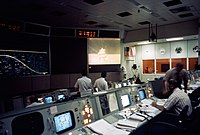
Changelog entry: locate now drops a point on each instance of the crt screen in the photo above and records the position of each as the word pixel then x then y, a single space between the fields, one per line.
pixel 142 94
pixel 61 97
pixel 125 100
pixel 63 122
pixel 48 99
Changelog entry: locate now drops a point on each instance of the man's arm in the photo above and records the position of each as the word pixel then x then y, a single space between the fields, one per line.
pixel 154 104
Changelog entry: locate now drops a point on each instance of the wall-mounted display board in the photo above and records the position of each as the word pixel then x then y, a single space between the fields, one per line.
pixel 23 54
pixel 148 51
pixel 179 49
pixel 193 48
pixel 23 63
pixel 163 50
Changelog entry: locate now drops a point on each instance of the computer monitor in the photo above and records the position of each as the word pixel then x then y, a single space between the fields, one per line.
pixel 157 86
pixel 125 100
pixel 61 97
pixel 142 94
pixel 64 122
pixel 48 99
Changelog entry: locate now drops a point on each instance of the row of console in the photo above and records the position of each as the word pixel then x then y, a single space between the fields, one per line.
pixel 70 117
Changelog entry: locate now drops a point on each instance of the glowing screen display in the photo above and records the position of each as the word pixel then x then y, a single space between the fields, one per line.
pixel 142 94
pixel 64 122
pixel 102 51
pixel 48 99
pixel 61 97
pixel 125 100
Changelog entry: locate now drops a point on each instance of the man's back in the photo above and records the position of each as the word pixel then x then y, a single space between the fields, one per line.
pixel 101 84
pixel 84 83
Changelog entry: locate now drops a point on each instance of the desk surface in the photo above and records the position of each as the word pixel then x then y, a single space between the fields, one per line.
pixel 124 121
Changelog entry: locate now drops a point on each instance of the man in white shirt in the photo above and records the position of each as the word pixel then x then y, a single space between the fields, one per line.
pixel 101 83
pixel 84 85
pixel 177 100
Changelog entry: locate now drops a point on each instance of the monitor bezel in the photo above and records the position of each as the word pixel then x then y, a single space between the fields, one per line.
pixel 69 128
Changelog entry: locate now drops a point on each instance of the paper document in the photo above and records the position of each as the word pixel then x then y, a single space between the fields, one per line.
pixel 161 102
pixel 137 117
pixel 104 128
pixel 147 101
pixel 128 123
pixel 149 109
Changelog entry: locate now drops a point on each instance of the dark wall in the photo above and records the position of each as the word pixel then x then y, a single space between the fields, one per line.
pixel 68 55
pixel 23 41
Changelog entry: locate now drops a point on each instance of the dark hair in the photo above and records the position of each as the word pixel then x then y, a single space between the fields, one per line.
pixel 134 66
pixel 103 74
pixel 173 82
pixel 84 73
pixel 179 64
pixel 33 99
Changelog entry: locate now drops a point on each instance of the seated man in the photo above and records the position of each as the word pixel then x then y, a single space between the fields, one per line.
pixel 33 101
pixel 176 101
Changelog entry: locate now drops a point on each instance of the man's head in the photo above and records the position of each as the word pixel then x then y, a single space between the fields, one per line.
pixel 172 84
pixel 84 73
pixel 103 74
pixel 179 66
pixel 33 99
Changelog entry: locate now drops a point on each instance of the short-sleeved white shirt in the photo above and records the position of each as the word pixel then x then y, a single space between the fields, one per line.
pixel 177 101
pixel 101 84
pixel 84 84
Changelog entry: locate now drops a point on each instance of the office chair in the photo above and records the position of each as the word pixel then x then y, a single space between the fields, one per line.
pixel 170 124
pixel 195 97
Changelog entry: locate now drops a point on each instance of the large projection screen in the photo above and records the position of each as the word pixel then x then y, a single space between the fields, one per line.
pixel 103 51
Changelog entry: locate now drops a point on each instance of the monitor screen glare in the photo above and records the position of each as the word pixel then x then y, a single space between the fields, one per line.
pixel 125 100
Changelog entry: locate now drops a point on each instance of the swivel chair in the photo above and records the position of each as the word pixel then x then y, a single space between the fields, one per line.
pixel 170 124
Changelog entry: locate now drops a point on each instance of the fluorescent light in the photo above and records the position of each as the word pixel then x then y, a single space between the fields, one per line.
pixel 143 42
pixel 174 39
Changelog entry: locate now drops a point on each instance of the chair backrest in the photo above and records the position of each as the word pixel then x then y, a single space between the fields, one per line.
pixel 164 128
pixel 195 97
pixel 183 113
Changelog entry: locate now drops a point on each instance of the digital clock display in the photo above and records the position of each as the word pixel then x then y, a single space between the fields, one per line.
pixel 11 25
pixel 86 33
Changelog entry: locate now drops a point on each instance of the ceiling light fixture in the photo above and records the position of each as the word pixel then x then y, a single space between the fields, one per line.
pixel 174 39
pixel 144 42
